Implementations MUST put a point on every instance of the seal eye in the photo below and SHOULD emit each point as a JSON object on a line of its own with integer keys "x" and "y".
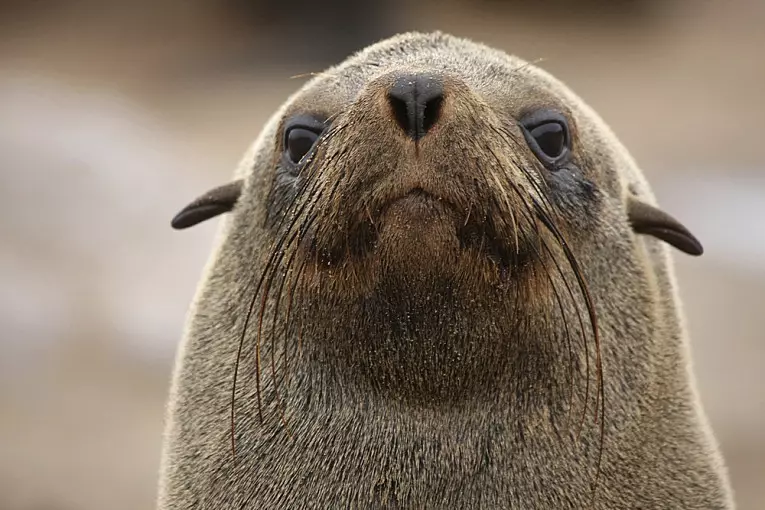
{"x": 548, "y": 137}
{"x": 551, "y": 139}
{"x": 300, "y": 140}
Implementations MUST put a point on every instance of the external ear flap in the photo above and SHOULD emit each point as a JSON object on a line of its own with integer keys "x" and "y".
{"x": 647, "y": 219}
{"x": 213, "y": 203}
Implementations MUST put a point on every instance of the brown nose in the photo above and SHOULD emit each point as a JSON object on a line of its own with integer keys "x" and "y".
{"x": 416, "y": 103}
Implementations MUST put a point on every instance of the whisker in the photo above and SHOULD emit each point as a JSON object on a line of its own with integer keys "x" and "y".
{"x": 581, "y": 330}
{"x": 541, "y": 191}
{"x": 530, "y": 219}
{"x": 539, "y": 212}
{"x": 600, "y": 395}
{"x": 508, "y": 205}
{"x": 274, "y": 250}
{"x": 528, "y": 64}
{"x": 290, "y": 235}
{"x": 304, "y": 75}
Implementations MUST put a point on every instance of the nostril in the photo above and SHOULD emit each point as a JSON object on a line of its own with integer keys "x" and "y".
{"x": 431, "y": 113}
{"x": 416, "y": 102}
{"x": 403, "y": 113}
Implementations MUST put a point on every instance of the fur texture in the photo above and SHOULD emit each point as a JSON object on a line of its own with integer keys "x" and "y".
{"x": 437, "y": 351}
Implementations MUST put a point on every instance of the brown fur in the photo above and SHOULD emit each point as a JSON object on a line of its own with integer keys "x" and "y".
{"x": 501, "y": 338}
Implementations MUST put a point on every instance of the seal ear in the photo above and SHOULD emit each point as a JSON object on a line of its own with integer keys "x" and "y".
{"x": 213, "y": 203}
{"x": 647, "y": 219}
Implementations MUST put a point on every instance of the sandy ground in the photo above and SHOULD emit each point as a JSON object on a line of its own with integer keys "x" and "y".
{"x": 104, "y": 133}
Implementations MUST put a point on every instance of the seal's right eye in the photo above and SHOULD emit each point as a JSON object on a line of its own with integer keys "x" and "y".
{"x": 300, "y": 140}
{"x": 300, "y": 135}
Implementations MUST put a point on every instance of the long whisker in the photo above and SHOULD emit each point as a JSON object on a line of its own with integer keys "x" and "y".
{"x": 529, "y": 217}
{"x": 600, "y": 395}
{"x": 547, "y": 221}
{"x": 563, "y": 316}
{"x": 274, "y": 250}
{"x": 584, "y": 289}
{"x": 290, "y": 235}
{"x": 279, "y": 250}
{"x": 581, "y": 330}
{"x": 290, "y": 242}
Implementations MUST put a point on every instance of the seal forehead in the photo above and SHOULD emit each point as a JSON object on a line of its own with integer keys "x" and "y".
{"x": 502, "y": 80}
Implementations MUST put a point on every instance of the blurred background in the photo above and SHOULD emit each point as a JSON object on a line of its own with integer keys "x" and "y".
{"x": 114, "y": 114}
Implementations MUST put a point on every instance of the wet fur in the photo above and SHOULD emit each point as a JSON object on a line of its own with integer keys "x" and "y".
{"x": 538, "y": 359}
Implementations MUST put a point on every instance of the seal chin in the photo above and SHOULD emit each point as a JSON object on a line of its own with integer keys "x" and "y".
{"x": 414, "y": 229}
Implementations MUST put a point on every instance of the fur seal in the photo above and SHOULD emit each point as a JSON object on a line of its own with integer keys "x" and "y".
{"x": 444, "y": 283}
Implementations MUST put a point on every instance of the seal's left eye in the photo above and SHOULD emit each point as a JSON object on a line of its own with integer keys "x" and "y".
{"x": 547, "y": 134}
{"x": 299, "y": 142}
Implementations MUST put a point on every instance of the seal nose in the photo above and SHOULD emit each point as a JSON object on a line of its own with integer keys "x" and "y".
{"x": 416, "y": 102}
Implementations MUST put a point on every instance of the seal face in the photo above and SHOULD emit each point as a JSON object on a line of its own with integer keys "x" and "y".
{"x": 440, "y": 287}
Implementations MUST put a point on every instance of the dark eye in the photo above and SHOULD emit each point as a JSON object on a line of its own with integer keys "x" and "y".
{"x": 299, "y": 142}
{"x": 551, "y": 138}
{"x": 300, "y": 135}
{"x": 547, "y": 134}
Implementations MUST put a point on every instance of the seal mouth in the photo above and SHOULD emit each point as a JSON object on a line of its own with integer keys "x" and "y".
{"x": 415, "y": 204}
{"x": 452, "y": 223}
{"x": 420, "y": 214}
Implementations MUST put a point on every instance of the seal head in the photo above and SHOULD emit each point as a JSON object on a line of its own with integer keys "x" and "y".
{"x": 443, "y": 284}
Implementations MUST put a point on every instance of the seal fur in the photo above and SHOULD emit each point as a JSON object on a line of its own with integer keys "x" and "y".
{"x": 438, "y": 323}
